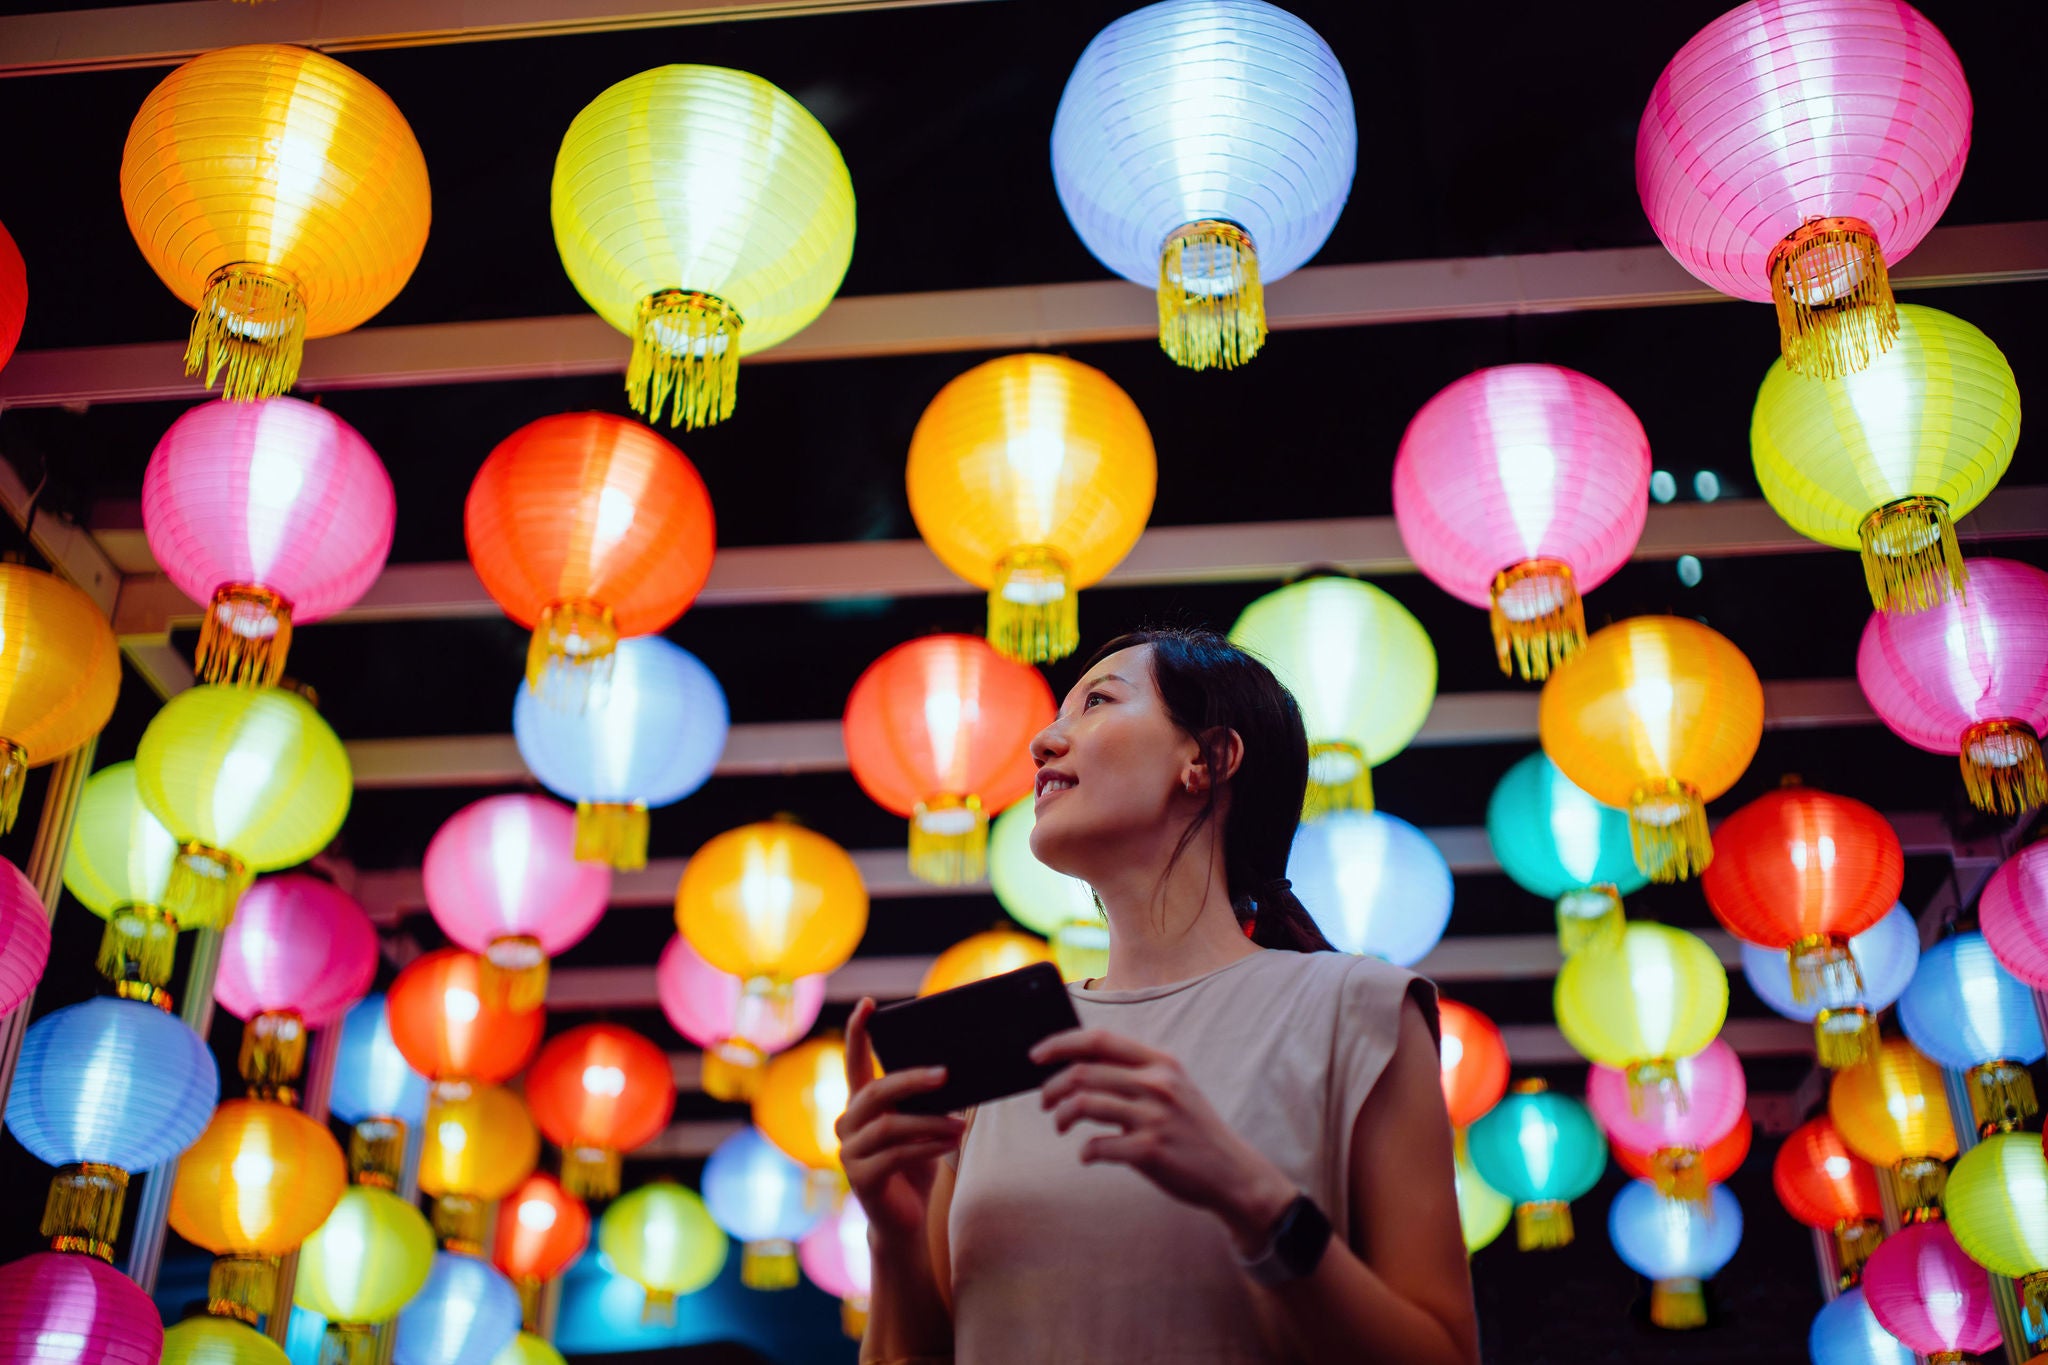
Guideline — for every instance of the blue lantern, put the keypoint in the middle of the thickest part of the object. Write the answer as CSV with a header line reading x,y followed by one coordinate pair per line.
x,y
1675,1244
112,1082
375,1089
1559,843
465,1314
1885,954
649,738
1846,1332
1374,884
1969,1014
767,1201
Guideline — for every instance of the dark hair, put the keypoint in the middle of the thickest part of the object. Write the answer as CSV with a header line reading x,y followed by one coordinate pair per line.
x,y
1211,686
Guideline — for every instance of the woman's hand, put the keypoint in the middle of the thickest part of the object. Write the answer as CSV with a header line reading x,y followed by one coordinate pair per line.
x,y
890,1158
1167,1131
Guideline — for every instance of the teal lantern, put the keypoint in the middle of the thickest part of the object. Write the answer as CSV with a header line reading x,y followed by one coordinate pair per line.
x,y
1559,843
1541,1150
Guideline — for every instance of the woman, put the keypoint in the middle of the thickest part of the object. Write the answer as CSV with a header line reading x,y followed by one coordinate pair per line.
x,y
1244,1156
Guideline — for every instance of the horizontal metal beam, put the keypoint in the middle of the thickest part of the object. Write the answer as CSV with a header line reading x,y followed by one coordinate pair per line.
x,y
1039,317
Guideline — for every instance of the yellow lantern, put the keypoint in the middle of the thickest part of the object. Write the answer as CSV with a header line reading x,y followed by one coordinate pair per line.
x,y
663,1238
1031,476
1658,715
480,1143
60,670
1997,1206
1892,1110
280,195
1361,667
1640,1002
1885,459
1483,1211
247,780
771,902
979,956
1060,907
707,215
210,1340
364,1264
803,1092
528,1349
118,865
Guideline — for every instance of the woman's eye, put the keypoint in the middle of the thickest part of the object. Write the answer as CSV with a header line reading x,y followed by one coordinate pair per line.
x,y
1091,699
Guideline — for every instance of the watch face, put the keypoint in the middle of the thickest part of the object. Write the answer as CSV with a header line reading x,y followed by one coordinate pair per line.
x,y
1304,1235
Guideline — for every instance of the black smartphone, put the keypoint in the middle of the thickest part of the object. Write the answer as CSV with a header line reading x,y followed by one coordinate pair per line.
x,y
982,1033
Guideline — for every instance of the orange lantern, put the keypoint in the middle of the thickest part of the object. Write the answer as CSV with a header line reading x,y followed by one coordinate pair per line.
x,y
802,1094
1825,1185
598,1091
60,669
479,1144
1720,1159
586,528
980,956
445,1026
1474,1060
939,731
542,1229
1892,1110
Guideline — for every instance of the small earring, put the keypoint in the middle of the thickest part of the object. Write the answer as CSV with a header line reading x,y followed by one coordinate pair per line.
x,y
1191,786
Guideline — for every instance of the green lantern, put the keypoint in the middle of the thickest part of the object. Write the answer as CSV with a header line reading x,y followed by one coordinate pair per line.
x,y
663,1238
1050,903
1483,1211
1542,1151
1557,842
1997,1206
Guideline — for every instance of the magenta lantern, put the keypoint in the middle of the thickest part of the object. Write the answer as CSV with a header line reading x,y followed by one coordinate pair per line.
x,y
503,881
2013,913
273,513
1708,1102
1518,488
296,943
834,1257
1970,677
1795,148
68,1308
737,1032
1927,1293
13,295
24,937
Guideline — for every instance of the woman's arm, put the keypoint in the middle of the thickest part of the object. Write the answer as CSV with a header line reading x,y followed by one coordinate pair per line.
x,y
910,1313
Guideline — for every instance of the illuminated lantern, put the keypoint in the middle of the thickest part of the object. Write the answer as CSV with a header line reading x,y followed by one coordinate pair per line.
x,y
1205,148
1641,1004
502,880
1803,871
939,730
662,1238
654,738
1555,841
2013,912
13,295
587,529
765,1200
1362,669
281,196
1892,1111
274,514
1928,1294
446,1026
979,956
118,865
598,1091
542,1229
737,1031
59,672
465,1314
1483,1211
1674,1244
24,937
1677,1136
247,781
708,216
1050,903
364,1264
528,1349
1719,1160
1846,1332
1969,1014
834,1257
73,1310
1825,1185
802,1095
376,1092
1885,459
1793,150
1473,1059
1374,884
207,1340
1970,677
1885,955
1031,477
1997,1206
299,953
1542,1150
1534,464
480,1144
1657,715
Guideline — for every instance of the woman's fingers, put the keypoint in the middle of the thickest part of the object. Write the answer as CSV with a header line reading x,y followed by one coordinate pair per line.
x,y
1111,1109
896,1159
1092,1045
860,1062
892,1129
882,1096
1125,1149
1116,1080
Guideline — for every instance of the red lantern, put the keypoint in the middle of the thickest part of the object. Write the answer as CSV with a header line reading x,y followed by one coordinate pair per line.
x,y
1825,1185
598,1091
1474,1060
13,295
446,1027
1721,1159
542,1229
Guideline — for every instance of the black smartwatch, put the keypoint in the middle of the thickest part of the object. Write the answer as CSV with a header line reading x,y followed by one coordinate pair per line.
x,y
1296,1245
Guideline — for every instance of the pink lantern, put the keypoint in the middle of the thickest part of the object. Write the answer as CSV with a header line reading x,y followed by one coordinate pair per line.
x,y
834,1257
1518,488
24,937
1708,1102
68,1308
297,954
737,1032
2013,913
1970,677
502,880
1927,1293
1793,149
272,513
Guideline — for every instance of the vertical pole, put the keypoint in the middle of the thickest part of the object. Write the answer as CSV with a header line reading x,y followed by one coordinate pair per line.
x,y
320,1061
45,871
153,1212
1829,1262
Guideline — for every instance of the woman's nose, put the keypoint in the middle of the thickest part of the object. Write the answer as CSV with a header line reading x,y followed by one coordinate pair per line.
x,y
1048,744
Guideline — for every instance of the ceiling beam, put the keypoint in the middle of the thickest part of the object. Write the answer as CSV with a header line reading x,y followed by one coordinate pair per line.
x,y
1042,317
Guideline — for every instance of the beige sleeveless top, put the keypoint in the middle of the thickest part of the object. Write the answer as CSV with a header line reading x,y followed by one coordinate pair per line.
x,y
1094,1265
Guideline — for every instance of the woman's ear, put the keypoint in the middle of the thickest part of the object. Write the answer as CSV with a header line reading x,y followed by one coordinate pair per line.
x,y
1224,748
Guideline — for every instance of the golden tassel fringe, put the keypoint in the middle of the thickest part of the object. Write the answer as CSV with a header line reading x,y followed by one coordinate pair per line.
x,y
139,944
659,1309
853,1317
1212,309
2002,768
612,832
529,1302
1656,1083
1033,615
515,974
569,658
732,1070
146,993
686,345
1543,1225
1823,973
241,1287
205,885
1843,1038
83,1210
768,1264
244,636
460,1221
251,323
376,1153
1911,560
1680,1174
590,1172
1589,917
1853,1244
1835,309
2033,1297
1920,1181
2001,1096
1678,1305
273,1053
349,1343
1339,778
949,841
1539,621
1667,825
1080,949
13,778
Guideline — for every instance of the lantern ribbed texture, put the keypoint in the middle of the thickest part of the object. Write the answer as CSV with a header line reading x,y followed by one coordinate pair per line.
x,y
258,1181
465,1314
1360,666
1997,1207
120,855
766,1201
273,175
599,1089
366,1261
1962,1008
1031,476
1893,1109
980,956
24,937
542,1229
112,1081
1473,1059
1970,677
772,901
1820,1181
1657,715
1654,996
1674,1243
205,1340
705,1004
1541,1150
1846,1332
371,1077
297,943
528,1349
802,1095
1928,1294
64,1309
1720,1159
60,670
1885,954
689,181
1037,897
13,295
1715,1093
2014,914
1483,1211
1555,841
1373,883
446,1026
480,1141
835,1253
1519,488
662,1238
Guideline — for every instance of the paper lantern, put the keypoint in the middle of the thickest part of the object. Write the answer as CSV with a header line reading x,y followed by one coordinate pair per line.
x,y
1846,1332
366,1262
1825,1185
1555,841
1658,715
765,1200
1715,1095
802,1094
247,781
1674,1244
834,1257
59,672
1970,677
299,952
1893,1111
587,529
1374,884
1050,903
1886,459
57,1309
2013,912
375,1091
708,216
653,738
1483,1211
737,1031
24,937
1362,669
465,1314
1717,1161
1537,465
447,1027
1928,1294
118,865
480,1145
1542,1150
980,956
1969,1014
1885,955
13,295
207,1340
1205,148
1473,1059
528,1349
1640,1004
274,514
1793,150
281,196
598,1091
1997,1206
662,1238
1031,477
502,880
542,1229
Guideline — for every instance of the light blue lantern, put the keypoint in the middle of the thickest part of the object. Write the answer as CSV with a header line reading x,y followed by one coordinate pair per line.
x,y
1373,883
1885,954
767,1201
651,737
304,1335
112,1082
465,1314
1969,1014
372,1079
1559,843
1675,1244
1205,148
1846,1332
1050,903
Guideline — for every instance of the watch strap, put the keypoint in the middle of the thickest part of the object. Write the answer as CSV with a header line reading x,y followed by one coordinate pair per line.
x,y
1296,1246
